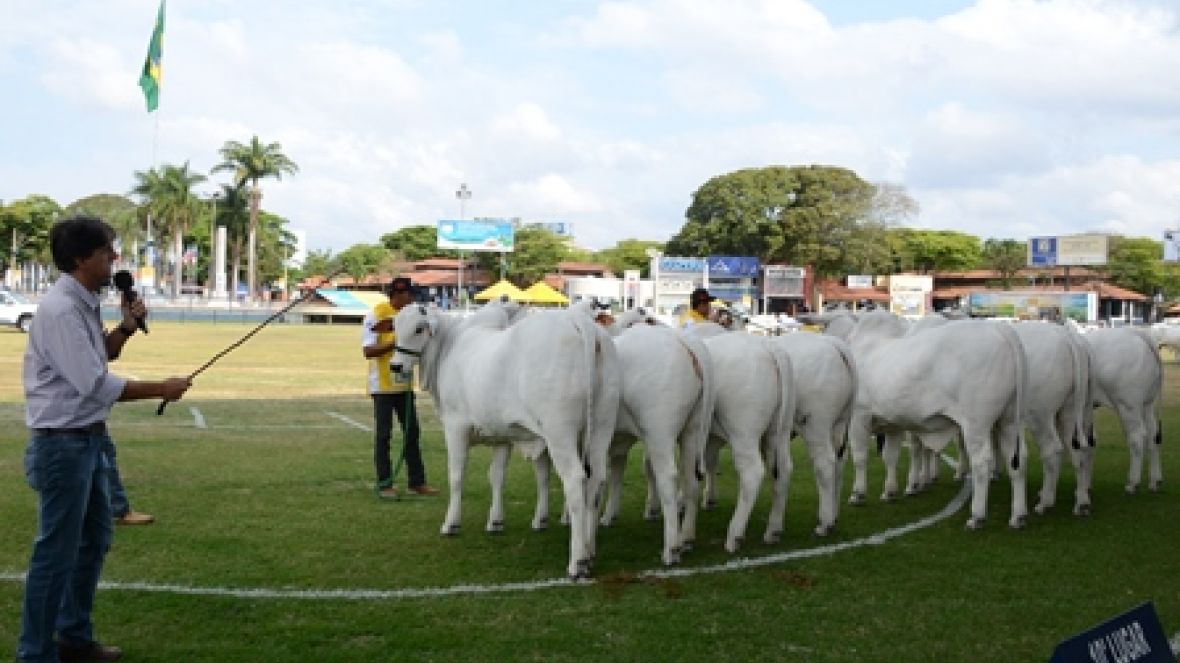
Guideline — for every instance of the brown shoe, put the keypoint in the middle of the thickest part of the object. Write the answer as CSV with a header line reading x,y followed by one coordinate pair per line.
x,y
424,489
390,493
92,652
135,518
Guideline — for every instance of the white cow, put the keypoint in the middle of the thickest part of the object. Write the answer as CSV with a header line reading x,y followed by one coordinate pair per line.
x,y
1166,335
824,375
553,376
962,378
755,410
668,395
1128,376
1056,404
1054,409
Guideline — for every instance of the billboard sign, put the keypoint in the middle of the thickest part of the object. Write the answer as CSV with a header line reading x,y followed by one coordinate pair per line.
x,y
483,235
1172,246
783,282
1042,252
682,265
1067,250
1078,306
733,267
860,281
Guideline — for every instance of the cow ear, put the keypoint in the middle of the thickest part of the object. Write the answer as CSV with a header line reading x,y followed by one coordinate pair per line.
x,y
432,324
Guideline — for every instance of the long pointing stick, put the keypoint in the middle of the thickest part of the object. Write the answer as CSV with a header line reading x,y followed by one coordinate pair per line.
x,y
232,347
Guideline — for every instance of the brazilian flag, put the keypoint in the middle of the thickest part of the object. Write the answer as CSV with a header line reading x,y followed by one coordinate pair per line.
x,y
149,79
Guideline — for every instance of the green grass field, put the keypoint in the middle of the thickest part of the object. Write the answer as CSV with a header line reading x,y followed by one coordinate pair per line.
x,y
276,494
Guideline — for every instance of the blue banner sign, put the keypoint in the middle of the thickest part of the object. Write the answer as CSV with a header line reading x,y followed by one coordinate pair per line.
x,y
1135,636
733,267
689,265
1042,251
560,228
480,235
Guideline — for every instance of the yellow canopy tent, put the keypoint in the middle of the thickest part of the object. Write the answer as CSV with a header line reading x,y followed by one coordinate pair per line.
x,y
498,289
541,293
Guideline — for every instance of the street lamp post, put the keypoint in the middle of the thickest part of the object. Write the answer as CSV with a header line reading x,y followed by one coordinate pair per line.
x,y
463,194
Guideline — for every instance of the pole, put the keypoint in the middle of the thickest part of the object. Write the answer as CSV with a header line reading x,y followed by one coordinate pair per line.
x,y
463,193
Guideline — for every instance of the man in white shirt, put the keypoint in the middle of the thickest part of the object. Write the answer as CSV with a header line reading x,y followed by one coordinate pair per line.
x,y
68,395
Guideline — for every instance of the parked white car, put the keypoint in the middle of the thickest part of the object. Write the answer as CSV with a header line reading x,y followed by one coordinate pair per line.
x,y
16,310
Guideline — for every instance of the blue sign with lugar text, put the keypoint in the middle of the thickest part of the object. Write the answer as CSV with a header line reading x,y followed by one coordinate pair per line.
x,y
1135,636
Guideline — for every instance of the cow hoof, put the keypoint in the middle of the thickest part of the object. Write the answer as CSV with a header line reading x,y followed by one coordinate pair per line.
x,y
1156,486
772,538
686,545
672,558
1082,510
856,499
606,521
823,530
733,546
540,524
975,524
889,496
495,527
912,491
1041,508
651,514
709,504
1018,522
449,530
583,570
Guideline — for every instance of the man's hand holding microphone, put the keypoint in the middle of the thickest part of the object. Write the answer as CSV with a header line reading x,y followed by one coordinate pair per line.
x,y
135,319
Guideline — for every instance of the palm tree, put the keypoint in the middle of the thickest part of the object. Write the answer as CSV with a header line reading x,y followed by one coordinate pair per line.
x,y
233,213
251,163
168,196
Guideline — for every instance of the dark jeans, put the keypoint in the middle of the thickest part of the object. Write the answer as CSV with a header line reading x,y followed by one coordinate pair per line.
x,y
384,407
119,504
74,531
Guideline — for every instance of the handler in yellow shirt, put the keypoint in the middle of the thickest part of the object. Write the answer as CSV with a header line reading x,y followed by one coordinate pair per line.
x,y
392,393
698,308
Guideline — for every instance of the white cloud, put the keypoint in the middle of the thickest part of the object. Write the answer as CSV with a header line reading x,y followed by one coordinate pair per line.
x,y
1007,118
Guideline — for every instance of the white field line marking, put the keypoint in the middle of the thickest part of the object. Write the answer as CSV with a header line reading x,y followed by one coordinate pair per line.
x,y
455,590
198,418
350,421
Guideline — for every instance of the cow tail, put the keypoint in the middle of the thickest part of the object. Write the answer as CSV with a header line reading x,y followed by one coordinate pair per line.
x,y
586,330
1021,387
1081,385
785,419
1158,438
707,403
845,419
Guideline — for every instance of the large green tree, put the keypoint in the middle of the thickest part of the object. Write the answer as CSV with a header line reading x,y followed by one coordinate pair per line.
x,y
822,216
629,254
24,229
415,243
1006,256
361,260
536,252
166,194
926,251
250,163
1136,263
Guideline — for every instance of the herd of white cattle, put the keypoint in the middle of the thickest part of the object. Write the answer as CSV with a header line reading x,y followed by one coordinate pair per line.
x,y
579,394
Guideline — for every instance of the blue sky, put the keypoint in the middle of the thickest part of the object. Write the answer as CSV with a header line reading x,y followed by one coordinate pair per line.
x,y
1003,118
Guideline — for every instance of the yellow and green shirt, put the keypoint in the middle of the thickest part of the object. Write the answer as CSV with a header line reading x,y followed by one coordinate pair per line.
x,y
381,379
